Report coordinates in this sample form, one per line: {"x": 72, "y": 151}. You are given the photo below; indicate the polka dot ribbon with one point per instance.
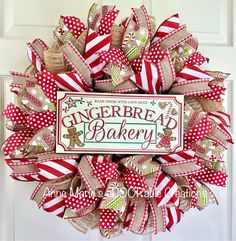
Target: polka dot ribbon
{"x": 211, "y": 176}
{"x": 17, "y": 140}
{"x": 135, "y": 182}
{"x": 114, "y": 55}
{"x": 107, "y": 219}
{"x": 15, "y": 114}
{"x": 196, "y": 59}
{"x": 106, "y": 170}
{"x": 80, "y": 201}
{"x": 48, "y": 84}
{"x": 40, "y": 120}
{"x": 75, "y": 25}
{"x": 107, "y": 21}
{"x": 155, "y": 55}
{"x": 199, "y": 131}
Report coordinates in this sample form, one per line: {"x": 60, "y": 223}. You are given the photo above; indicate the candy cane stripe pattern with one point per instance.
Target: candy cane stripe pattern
{"x": 54, "y": 169}
{"x": 55, "y": 205}
{"x": 177, "y": 157}
{"x": 147, "y": 79}
{"x": 25, "y": 177}
{"x": 191, "y": 73}
{"x": 35, "y": 53}
{"x": 165, "y": 190}
{"x": 71, "y": 81}
{"x": 94, "y": 44}
{"x": 173, "y": 216}
{"x": 220, "y": 117}
{"x": 167, "y": 26}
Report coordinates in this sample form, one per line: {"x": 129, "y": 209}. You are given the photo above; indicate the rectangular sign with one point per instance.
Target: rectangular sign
{"x": 119, "y": 123}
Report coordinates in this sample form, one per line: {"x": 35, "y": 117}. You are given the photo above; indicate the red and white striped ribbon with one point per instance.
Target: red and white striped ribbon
{"x": 177, "y": 157}
{"x": 173, "y": 216}
{"x": 54, "y": 169}
{"x": 77, "y": 62}
{"x": 192, "y": 73}
{"x": 35, "y": 53}
{"x": 55, "y": 205}
{"x": 167, "y": 26}
{"x": 71, "y": 81}
{"x": 166, "y": 190}
{"x": 220, "y": 117}
{"x": 148, "y": 78}
{"x": 94, "y": 44}
{"x": 25, "y": 177}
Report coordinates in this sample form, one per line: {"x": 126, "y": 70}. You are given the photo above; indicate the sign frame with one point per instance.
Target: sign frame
{"x": 64, "y": 96}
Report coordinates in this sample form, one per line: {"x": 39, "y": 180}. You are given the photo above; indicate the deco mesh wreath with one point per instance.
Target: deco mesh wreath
{"x": 128, "y": 58}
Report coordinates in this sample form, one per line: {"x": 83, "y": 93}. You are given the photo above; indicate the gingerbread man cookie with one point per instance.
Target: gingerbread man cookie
{"x": 74, "y": 137}
{"x": 166, "y": 139}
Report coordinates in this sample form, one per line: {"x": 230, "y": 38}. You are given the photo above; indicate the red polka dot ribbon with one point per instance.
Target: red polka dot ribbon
{"x": 199, "y": 131}
{"x": 48, "y": 84}
{"x": 15, "y": 114}
{"x": 107, "y": 21}
{"x": 40, "y": 120}
{"x": 113, "y": 55}
{"x": 17, "y": 140}
{"x": 135, "y": 182}
{"x": 107, "y": 219}
{"x": 75, "y": 25}
{"x": 81, "y": 200}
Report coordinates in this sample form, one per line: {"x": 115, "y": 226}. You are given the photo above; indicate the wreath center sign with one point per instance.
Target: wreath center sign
{"x": 118, "y": 125}
{"x": 131, "y": 124}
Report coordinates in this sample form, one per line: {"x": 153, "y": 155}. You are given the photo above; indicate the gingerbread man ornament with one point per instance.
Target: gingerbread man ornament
{"x": 73, "y": 135}
{"x": 166, "y": 139}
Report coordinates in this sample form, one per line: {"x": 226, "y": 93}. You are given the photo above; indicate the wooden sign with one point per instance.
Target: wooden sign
{"x": 117, "y": 123}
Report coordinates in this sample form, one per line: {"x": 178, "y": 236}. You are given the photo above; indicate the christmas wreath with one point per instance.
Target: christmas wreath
{"x": 111, "y": 190}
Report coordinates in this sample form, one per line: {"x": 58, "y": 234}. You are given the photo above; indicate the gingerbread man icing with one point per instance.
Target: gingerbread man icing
{"x": 166, "y": 139}
{"x": 74, "y": 137}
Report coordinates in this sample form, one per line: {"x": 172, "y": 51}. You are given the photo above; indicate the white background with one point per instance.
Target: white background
{"x": 212, "y": 21}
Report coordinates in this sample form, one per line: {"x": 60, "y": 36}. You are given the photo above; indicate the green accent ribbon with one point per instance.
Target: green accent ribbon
{"x": 203, "y": 196}
{"x": 144, "y": 40}
{"x": 68, "y": 37}
{"x": 115, "y": 204}
{"x": 69, "y": 213}
{"x": 216, "y": 166}
{"x": 52, "y": 107}
{"x": 132, "y": 54}
{"x": 149, "y": 170}
{"x": 115, "y": 76}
